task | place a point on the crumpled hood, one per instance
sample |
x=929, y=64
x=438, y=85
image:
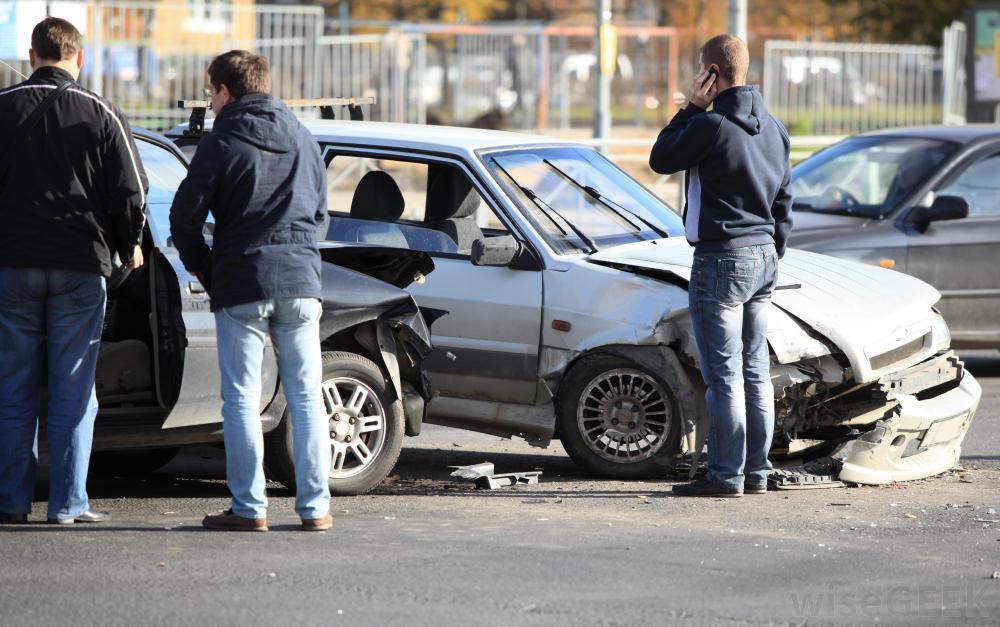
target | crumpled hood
x=259, y=120
x=742, y=106
x=863, y=310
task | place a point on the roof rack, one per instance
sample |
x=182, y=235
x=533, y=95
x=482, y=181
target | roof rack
x=196, y=123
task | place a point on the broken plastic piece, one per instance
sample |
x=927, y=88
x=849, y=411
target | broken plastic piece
x=495, y=482
x=473, y=471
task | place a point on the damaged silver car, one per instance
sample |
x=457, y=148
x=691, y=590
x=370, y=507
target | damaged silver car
x=566, y=286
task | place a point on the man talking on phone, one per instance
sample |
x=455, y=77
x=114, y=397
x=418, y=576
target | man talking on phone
x=737, y=218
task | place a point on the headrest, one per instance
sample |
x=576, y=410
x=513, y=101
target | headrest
x=450, y=194
x=377, y=197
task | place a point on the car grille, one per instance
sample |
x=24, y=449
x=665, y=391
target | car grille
x=898, y=354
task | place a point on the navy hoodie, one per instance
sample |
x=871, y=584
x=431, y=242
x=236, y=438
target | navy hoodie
x=261, y=175
x=736, y=158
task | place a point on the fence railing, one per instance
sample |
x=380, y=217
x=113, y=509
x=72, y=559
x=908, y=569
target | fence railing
x=835, y=89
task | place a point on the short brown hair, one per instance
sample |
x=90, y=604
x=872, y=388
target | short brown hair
x=55, y=39
x=730, y=54
x=242, y=72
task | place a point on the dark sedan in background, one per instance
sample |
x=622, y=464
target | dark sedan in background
x=925, y=201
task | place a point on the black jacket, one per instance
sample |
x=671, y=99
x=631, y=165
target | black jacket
x=261, y=175
x=736, y=157
x=74, y=192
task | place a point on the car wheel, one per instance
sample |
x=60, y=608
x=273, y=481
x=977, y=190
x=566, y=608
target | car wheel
x=366, y=428
x=129, y=463
x=617, y=419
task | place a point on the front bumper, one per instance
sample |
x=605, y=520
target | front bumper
x=923, y=439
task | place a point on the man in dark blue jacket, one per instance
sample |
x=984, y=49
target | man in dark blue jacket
x=260, y=173
x=737, y=218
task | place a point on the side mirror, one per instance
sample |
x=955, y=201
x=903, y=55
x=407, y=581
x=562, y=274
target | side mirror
x=495, y=251
x=943, y=208
x=947, y=208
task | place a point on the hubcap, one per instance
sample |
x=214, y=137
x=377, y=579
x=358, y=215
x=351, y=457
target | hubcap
x=624, y=416
x=357, y=425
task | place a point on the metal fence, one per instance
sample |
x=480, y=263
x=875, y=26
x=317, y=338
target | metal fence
x=532, y=76
x=836, y=89
x=146, y=55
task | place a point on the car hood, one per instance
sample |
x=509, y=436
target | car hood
x=864, y=310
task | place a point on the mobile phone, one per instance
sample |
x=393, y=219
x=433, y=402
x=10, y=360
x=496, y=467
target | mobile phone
x=712, y=71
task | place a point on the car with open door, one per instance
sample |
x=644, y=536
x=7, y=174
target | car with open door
x=566, y=286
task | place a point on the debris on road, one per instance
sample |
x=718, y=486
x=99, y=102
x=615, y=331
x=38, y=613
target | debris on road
x=495, y=482
x=473, y=471
x=557, y=499
x=909, y=515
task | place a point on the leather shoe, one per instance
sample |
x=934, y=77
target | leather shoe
x=707, y=487
x=755, y=489
x=86, y=517
x=228, y=521
x=317, y=524
x=13, y=519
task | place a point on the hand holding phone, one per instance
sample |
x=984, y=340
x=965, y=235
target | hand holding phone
x=703, y=87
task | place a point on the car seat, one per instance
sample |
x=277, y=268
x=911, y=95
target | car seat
x=451, y=204
x=377, y=199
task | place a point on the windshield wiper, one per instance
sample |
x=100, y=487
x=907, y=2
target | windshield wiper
x=607, y=202
x=546, y=208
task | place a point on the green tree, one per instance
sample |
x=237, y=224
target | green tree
x=905, y=21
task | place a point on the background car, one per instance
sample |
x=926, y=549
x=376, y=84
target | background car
x=566, y=286
x=925, y=201
x=158, y=376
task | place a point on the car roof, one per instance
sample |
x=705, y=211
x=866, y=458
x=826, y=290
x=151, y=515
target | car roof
x=421, y=136
x=961, y=134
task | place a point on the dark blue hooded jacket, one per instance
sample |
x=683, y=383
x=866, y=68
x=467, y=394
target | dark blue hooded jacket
x=261, y=175
x=736, y=158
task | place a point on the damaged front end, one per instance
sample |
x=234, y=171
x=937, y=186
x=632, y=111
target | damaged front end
x=366, y=310
x=908, y=424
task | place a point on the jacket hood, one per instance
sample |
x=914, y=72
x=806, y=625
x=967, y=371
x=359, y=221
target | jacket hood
x=259, y=120
x=743, y=106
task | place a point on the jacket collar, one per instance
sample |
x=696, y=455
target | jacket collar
x=50, y=74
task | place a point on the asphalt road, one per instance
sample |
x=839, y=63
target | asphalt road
x=425, y=550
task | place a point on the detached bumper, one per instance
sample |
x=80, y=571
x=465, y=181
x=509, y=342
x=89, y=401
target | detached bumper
x=922, y=440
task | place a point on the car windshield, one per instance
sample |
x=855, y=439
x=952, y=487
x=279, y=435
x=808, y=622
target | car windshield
x=866, y=176
x=580, y=201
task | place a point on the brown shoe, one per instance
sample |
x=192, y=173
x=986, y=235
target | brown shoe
x=228, y=521
x=317, y=524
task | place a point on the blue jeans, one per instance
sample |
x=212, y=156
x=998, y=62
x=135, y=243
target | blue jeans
x=53, y=318
x=729, y=296
x=293, y=324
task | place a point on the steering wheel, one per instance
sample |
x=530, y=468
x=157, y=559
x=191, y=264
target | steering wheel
x=838, y=197
x=119, y=273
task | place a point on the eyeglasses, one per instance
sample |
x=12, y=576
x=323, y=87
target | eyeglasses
x=208, y=93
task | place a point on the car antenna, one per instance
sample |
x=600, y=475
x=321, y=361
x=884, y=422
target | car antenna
x=196, y=123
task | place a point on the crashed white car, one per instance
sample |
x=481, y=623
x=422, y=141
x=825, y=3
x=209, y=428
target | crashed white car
x=565, y=287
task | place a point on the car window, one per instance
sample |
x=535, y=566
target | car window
x=431, y=207
x=979, y=185
x=866, y=176
x=164, y=171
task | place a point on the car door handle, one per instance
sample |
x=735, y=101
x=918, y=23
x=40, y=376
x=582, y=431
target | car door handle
x=195, y=287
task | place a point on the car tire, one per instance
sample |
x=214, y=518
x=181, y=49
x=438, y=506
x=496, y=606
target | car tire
x=131, y=463
x=367, y=437
x=617, y=419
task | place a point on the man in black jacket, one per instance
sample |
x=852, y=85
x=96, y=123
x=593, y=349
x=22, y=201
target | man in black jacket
x=738, y=219
x=72, y=191
x=260, y=173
